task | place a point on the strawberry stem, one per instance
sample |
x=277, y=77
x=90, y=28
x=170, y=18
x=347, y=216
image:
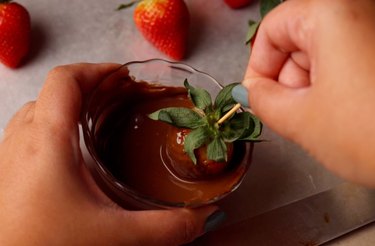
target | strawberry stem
x=126, y=5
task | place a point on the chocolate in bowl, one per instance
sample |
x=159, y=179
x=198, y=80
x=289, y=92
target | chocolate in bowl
x=131, y=162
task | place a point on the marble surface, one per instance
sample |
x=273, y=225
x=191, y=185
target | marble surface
x=92, y=31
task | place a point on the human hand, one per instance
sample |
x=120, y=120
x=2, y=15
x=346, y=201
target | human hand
x=47, y=194
x=311, y=79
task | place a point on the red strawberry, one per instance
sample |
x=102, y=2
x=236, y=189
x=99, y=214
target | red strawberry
x=165, y=23
x=183, y=165
x=210, y=167
x=15, y=30
x=236, y=4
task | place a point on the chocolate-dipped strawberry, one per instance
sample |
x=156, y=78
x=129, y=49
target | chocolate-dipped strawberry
x=201, y=145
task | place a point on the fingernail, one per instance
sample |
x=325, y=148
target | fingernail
x=214, y=220
x=241, y=95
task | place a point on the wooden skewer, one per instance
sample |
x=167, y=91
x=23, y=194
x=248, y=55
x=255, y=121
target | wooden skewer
x=229, y=114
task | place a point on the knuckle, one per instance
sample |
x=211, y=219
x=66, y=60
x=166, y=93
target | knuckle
x=67, y=69
x=23, y=116
x=58, y=71
x=28, y=111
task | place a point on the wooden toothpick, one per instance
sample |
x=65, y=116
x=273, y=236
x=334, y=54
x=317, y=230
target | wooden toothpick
x=229, y=114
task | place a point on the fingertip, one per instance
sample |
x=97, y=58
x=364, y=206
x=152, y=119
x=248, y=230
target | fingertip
x=254, y=84
x=198, y=222
x=264, y=97
x=247, y=82
x=171, y=226
x=241, y=95
x=201, y=220
x=279, y=107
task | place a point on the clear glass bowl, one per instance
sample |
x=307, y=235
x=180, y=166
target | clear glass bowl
x=108, y=98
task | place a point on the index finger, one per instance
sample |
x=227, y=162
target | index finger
x=284, y=30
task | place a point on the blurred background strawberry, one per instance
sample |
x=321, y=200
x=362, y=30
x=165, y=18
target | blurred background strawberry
x=164, y=23
x=236, y=4
x=15, y=32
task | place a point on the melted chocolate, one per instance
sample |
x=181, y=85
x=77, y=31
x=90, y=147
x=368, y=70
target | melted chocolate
x=133, y=147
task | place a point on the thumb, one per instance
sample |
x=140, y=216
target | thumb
x=166, y=227
x=279, y=107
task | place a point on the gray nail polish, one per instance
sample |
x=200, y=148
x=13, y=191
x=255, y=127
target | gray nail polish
x=241, y=95
x=214, y=220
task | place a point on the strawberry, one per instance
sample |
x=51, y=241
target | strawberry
x=236, y=4
x=164, y=23
x=204, y=167
x=210, y=167
x=201, y=141
x=15, y=31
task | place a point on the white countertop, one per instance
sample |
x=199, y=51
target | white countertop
x=364, y=236
x=92, y=31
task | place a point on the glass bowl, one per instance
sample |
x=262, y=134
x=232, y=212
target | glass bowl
x=145, y=185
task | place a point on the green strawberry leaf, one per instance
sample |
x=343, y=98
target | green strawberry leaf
x=254, y=130
x=195, y=139
x=217, y=150
x=253, y=28
x=243, y=126
x=200, y=97
x=267, y=5
x=236, y=127
x=205, y=126
x=179, y=117
x=224, y=100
